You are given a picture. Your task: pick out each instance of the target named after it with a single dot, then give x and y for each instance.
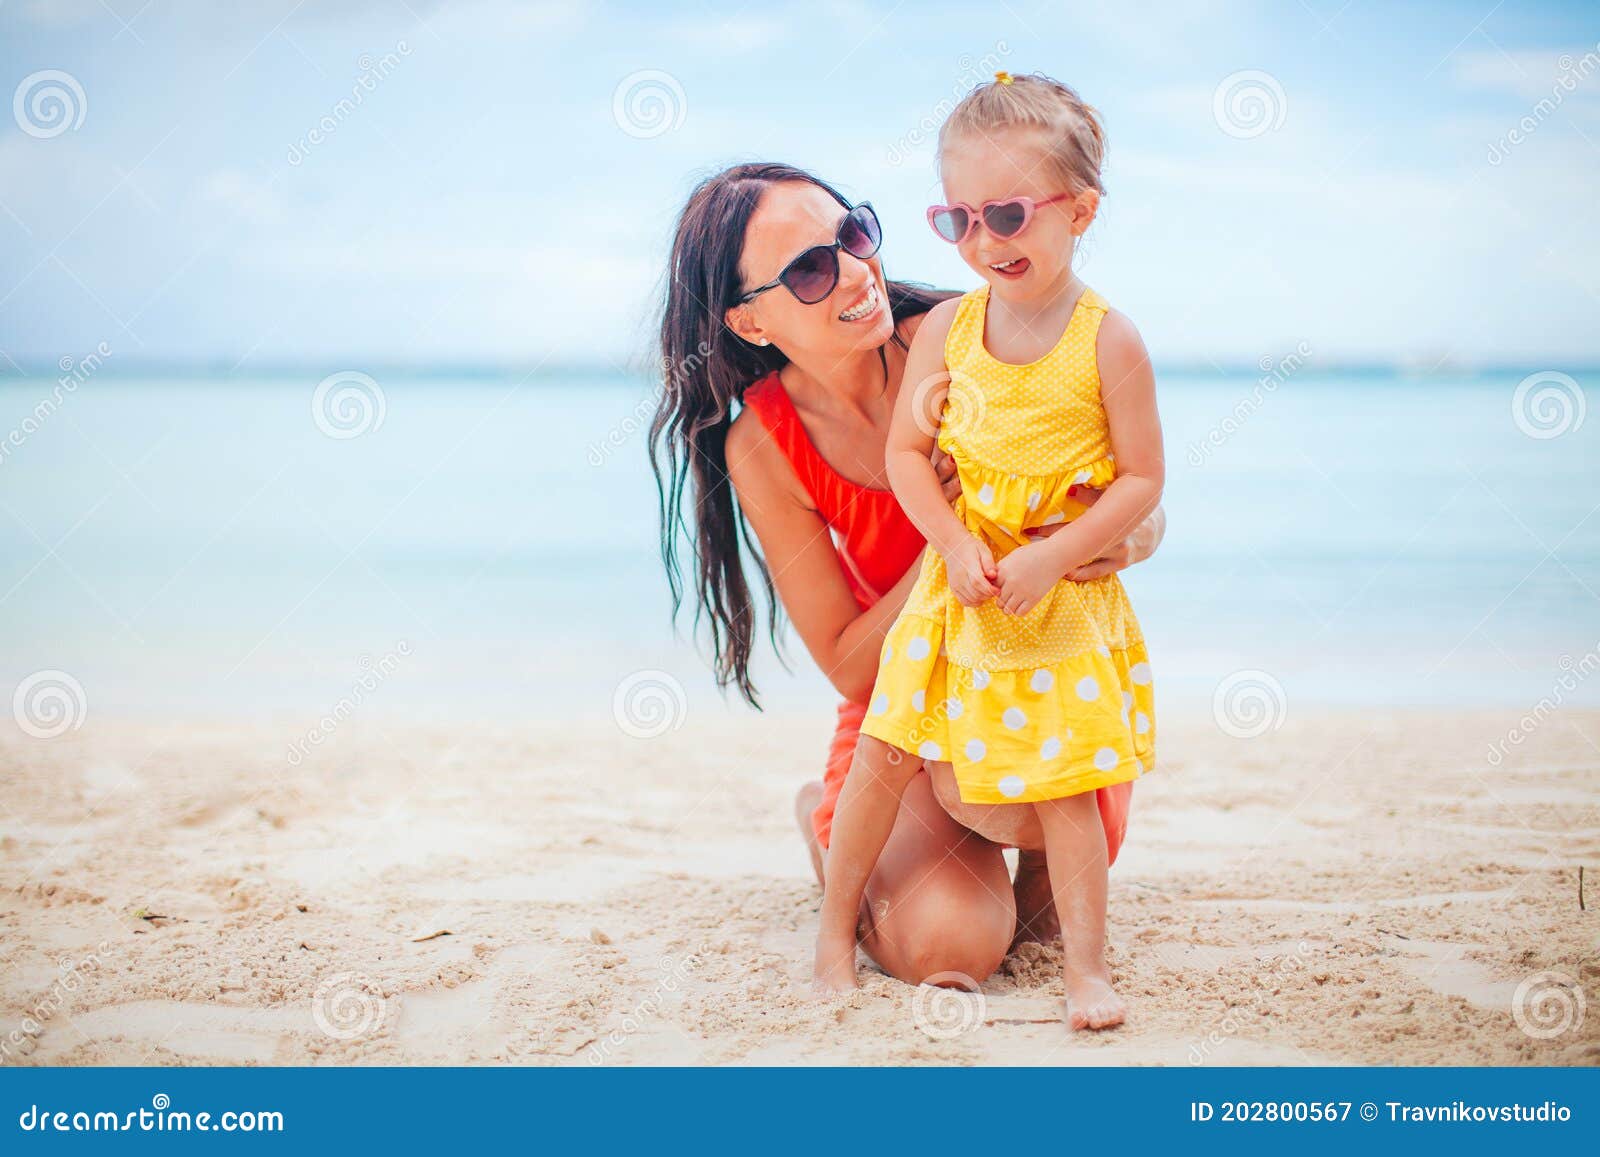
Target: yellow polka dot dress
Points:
(1058, 701)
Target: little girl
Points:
(1023, 687)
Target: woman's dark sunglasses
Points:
(813, 275)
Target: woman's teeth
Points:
(862, 308)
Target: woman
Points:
(777, 299)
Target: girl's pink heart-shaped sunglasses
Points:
(955, 223)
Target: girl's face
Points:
(1036, 262)
(791, 218)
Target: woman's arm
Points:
(1136, 548)
(1128, 392)
(843, 640)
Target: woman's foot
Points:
(834, 972)
(1036, 905)
(805, 803)
(1092, 1002)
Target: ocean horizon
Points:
(240, 545)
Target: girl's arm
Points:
(912, 435)
(1128, 391)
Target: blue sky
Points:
(484, 202)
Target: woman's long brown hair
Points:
(705, 368)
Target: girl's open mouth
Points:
(1016, 267)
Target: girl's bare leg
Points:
(939, 902)
(1075, 845)
(868, 808)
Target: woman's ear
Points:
(741, 320)
(1084, 208)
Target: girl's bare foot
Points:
(1036, 905)
(1092, 1002)
(805, 802)
(834, 973)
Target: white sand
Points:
(1354, 888)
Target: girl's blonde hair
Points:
(1068, 127)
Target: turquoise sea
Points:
(187, 547)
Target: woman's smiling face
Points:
(792, 217)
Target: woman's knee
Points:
(942, 939)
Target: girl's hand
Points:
(971, 571)
(944, 467)
(1025, 575)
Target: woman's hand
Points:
(944, 467)
(971, 571)
(1137, 547)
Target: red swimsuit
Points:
(876, 544)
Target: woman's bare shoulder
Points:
(756, 463)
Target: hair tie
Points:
(1002, 78)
